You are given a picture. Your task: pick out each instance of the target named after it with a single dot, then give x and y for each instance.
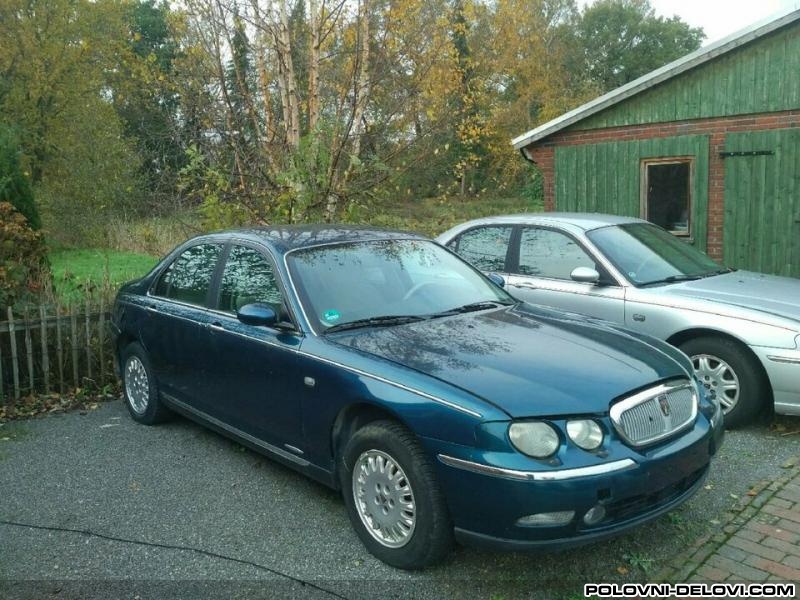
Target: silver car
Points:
(741, 329)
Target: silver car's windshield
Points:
(647, 254)
(386, 282)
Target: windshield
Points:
(647, 254)
(351, 282)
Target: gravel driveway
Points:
(93, 505)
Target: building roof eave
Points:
(668, 71)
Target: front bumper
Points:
(486, 507)
(783, 370)
(587, 537)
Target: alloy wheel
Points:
(719, 378)
(384, 499)
(137, 385)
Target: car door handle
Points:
(215, 326)
(151, 308)
(523, 284)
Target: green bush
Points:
(23, 259)
(14, 185)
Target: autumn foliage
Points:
(23, 264)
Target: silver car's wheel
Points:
(719, 378)
(137, 385)
(384, 498)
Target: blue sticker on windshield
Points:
(331, 316)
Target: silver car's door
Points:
(541, 261)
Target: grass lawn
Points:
(432, 216)
(76, 270)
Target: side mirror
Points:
(497, 280)
(257, 313)
(585, 275)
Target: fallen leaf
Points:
(789, 463)
(752, 493)
(622, 570)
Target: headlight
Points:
(586, 434)
(534, 438)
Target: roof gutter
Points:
(526, 155)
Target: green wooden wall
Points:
(762, 202)
(763, 76)
(606, 177)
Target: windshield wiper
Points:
(673, 279)
(379, 321)
(472, 307)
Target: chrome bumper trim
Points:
(558, 475)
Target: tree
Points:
(57, 58)
(146, 98)
(15, 187)
(621, 40)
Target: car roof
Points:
(584, 221)
(285, 238)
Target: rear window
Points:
(188, 278)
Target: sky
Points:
(718, 17)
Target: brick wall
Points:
(543, 154)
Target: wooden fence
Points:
(47, 349)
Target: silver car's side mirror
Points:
(585, 275)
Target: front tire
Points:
(728, 370)
(139, 387)
(393, 499)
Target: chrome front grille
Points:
(655, 413)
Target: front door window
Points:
(550, 254)
(248, 278)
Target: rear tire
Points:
(403, 520)
(139, 387)
(727, 369)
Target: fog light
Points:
(595, 514)
(548, 519)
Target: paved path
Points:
(93, 505)
(759, 540)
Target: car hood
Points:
(525, 360)
(777, 296)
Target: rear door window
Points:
(485, 247)
(188, 278)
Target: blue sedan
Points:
(383, 365)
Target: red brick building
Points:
(707, 146)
